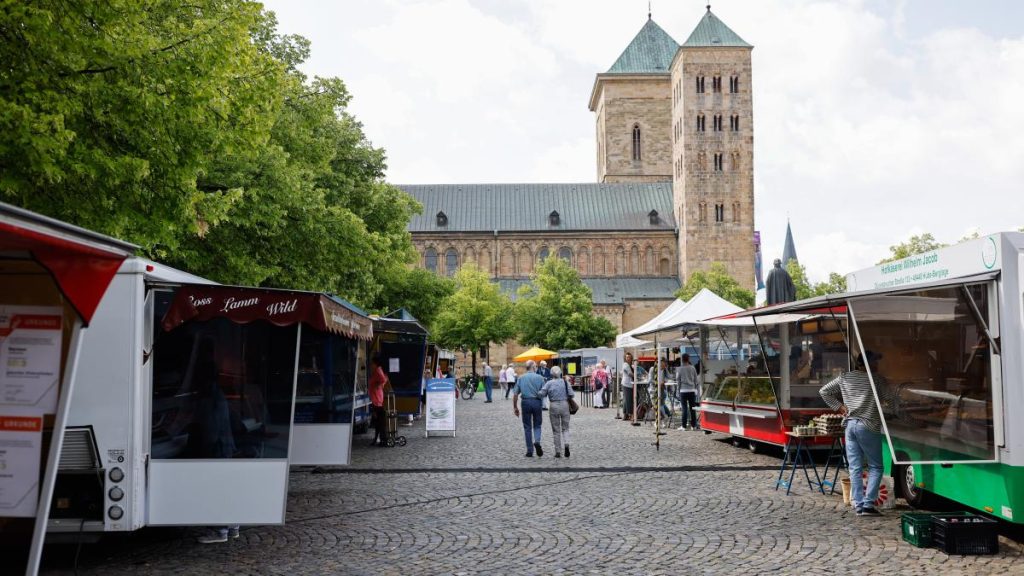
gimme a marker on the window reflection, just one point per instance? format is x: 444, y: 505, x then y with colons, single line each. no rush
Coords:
x: 326, y: 382
x: 221, y: 390
x: 935, y: 359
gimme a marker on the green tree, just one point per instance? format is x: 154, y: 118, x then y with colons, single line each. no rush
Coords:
x: 555, y: 310
x: 799, y: 275
x: 716, y: 279
x: 421, y: 292
x: 836, y: 284
x: 475, y: 315
x: 915, y: 245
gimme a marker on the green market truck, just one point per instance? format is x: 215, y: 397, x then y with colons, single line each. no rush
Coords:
x: 947, y: 328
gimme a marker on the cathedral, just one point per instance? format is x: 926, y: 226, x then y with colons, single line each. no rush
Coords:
x: 674, y: 190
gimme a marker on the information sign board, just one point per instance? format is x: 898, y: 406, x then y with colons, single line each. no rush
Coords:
x: 440, y: 405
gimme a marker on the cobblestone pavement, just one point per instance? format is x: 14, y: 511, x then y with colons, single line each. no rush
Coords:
x: 473, y: 504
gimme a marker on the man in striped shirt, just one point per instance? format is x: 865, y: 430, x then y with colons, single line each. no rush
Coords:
x: 850, y: 394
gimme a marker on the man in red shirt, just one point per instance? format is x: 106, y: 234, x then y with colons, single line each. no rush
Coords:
x: 377, y: 381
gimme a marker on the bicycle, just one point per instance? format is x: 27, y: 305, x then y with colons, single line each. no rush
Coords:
x: 468, y: 386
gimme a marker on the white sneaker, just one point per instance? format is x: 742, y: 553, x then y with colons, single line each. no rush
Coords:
x: 681, y: 428
x: 214, y: 537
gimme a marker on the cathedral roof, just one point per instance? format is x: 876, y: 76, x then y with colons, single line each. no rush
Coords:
x: 612, y: 290
x: 713, y: 32
x: 530, y: 207
x: 651, y: 51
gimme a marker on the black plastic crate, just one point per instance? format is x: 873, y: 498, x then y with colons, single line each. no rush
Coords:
x: 965, y: 533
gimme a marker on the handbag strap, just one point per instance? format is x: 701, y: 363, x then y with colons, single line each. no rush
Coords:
x: 566, y: 384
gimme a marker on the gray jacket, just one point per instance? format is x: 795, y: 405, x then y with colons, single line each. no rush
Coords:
x: 556, y: 390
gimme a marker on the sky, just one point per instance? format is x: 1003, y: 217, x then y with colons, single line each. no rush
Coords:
x: 874, y: 120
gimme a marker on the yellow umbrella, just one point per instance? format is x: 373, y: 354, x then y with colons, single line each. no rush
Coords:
x: 535, y: 353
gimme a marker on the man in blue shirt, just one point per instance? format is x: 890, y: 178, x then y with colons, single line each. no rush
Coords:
x: 527, y: 386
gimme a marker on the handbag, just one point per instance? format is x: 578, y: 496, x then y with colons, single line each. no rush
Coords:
x: 573, y: 406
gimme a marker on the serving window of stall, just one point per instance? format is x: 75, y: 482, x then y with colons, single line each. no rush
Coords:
x: 933, y: 370
x: 222, y: 390
x: 737, y: 371
x: 327, y: 377
x: 814, y: 352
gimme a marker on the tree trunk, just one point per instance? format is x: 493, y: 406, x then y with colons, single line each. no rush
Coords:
x: 474, y: 363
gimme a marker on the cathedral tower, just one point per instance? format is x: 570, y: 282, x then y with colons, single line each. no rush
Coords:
x: 633, y: 102
x: 713, y: 151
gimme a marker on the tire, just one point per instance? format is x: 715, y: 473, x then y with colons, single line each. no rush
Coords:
x: 401, y: 441
x: 467, y: 393
x: 907, y: 483
x: 754, y: 447
x: 390, y: 443
x: 737, y: 442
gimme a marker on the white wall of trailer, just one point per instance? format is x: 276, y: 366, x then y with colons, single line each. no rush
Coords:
x: 1011, y: 300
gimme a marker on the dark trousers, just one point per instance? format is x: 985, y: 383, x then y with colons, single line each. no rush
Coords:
x: 627, y: 402
x: 380, y: 429
x: 508, y: 388
x: 533, y: 418
x: 689, y: 401
x: 488, y: 386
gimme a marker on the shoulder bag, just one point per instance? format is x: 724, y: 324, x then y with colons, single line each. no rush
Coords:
x: 573, y: 406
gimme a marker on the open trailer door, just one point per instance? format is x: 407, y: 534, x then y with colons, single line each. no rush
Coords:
x: 224, y: 381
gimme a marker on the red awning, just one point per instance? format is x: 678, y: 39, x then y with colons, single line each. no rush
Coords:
x: 82, y: 263
x: 279, y: 307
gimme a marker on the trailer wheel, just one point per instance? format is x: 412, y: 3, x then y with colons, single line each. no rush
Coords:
x: 737, y: 442
x: 754, y: 447
x: 911, y: 492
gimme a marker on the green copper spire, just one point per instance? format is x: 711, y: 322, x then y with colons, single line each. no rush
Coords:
x: 651, y: 51
x: 713, y: 32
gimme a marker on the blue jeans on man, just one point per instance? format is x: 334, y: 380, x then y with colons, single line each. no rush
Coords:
x: 533, y: 417
x: 863, y: 447
x: 488, y: 386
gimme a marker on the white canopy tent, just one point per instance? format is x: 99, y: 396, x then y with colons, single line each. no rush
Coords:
x: 705, y: 304
x: 627, y: 340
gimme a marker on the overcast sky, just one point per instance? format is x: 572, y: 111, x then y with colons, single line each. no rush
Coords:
x: 873, y: 120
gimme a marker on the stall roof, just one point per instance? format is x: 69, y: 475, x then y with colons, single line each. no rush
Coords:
x: 82, y: 262
x: 629, y: 340
x: 399, y: 321
x: 835, y: 302
x: 705, y: 304
x: 244, y: 304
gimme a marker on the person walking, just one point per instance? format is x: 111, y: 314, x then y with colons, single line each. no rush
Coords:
x: 503, y: 380
x: 628, y: 395
x: 510, y: 379
x: 528, y: 386
x: 686, y: 378
x: 488, y: 382
x: 558, y: 392
x: 600, y: 378
x: 850, y: 394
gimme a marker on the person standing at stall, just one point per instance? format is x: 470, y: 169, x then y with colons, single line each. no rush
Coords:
x: 850, y: 394
x: 686, y: 377
x: 627, y: 388
x: 528, y: 386
x: 510, y: 379
x: 558, y: 392
x: 503, y: 380
x: 376, y: 389
x: 488, y: 382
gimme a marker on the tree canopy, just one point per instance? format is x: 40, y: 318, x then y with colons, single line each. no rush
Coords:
x: 716, y: 279
x: 475, y: 314
x: 836, y: 284
x: 918, y: 244
x: 188, y: 129
x: 555, y: 310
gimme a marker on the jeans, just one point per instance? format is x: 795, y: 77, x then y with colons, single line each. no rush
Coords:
x: 688, y: 400
x: 863, y: 444
x: 488, y: 386
x: 533, y: 417
x: 627, y: 402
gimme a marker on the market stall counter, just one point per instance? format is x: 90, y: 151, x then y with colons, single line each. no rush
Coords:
x: 402, y: 341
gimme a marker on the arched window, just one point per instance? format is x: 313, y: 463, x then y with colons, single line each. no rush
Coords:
x: 636, y: 142
x: 620, y: 261
x: 451, y: 262
x: 525, y: 261
x: 508, y: 262
x: 634, y: 261
x: 700, y: 123
x: 430, y: 259
x: 649, y: 261
x: 469, y: 255
x: 565, y: 253
x: 543, y: 254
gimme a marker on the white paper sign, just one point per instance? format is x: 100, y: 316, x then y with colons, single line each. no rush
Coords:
x: 30, y: 344
x: 440, y: 405
x: 21, y: 443
x: 393, y: 365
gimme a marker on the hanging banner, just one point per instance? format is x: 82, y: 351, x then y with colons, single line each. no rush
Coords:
x: 21, y: 443
x: 440, y: 405
x: 30, y: 344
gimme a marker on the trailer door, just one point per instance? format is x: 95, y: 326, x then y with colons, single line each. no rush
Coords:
x: 222, y: 409
x: 936, y: 375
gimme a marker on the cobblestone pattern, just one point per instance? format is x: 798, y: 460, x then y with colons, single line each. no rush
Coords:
x: 706, y: 508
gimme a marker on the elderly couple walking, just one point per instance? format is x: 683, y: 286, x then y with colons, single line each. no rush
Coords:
x: 533, y: 389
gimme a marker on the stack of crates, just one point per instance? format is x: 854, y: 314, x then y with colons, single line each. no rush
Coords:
x: 960, y: 533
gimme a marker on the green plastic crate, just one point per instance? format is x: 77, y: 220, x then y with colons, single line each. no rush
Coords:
x: 917, y: 528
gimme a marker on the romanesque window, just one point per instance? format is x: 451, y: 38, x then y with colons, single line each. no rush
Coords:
x: 634, y: 261
x: 718, y: 122
x: 716, y: 84
x: 736, y: 212
x: 700, y: 84
x: 451, y: 262
x: 430, y: 259
x: 636, y: 142
x: 734, y: 84
x: 649, y: 261
x: 620, y: 261
x: 508, y: 261
x: 702, y: 212
x: 719, y: 212
x: 700, y: 123
x: 565, y: 253
x: 469, y: 255
x: 525, y: 261
x: 734, y: 122
x: 718, y: 162
x: 543, y: 254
